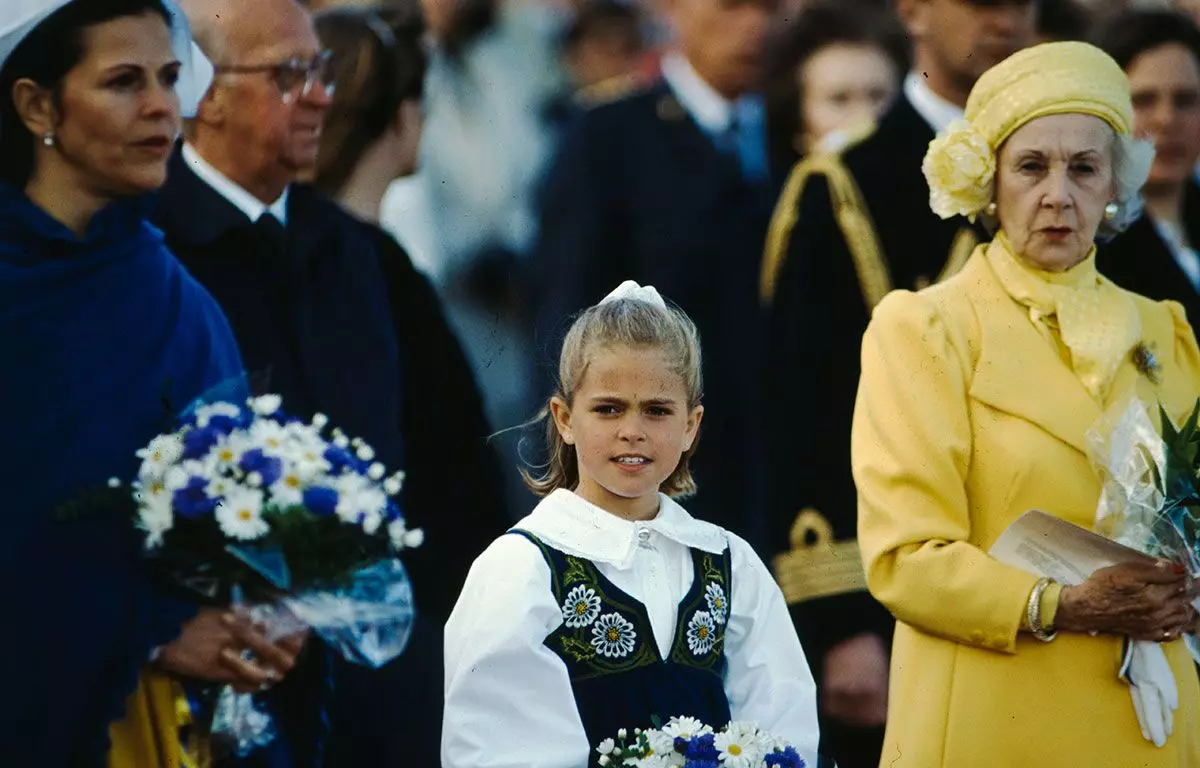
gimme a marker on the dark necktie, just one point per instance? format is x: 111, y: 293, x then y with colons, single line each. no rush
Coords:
x: 273, y: 233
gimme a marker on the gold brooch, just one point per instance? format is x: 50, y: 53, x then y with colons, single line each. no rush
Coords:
x: 1146, y: 363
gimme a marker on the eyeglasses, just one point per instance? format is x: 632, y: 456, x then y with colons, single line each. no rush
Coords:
x: 295, y: 77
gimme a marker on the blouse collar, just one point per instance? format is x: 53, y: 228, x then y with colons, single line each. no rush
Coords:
x: 577, y: 527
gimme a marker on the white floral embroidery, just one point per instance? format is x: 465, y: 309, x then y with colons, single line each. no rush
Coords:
x: 701, y: 633
x: 581, y: 608
x: 613, y: 636
x: 718, y: 606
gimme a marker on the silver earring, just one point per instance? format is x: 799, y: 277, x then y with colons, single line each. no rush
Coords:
x: 1111, y: 210
x: 990, y: 211
x: 48, y: 138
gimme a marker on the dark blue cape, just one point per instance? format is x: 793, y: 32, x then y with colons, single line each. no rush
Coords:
x: 100, y: 338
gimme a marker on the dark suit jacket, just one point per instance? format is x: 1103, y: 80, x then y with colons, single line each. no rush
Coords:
x: 639, y: 192
x: 342, y: 324
x: 1139, y: 259
x: 817, y: 319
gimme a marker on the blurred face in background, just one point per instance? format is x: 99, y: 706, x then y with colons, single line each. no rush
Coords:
x: 723, y: 40
x: 605, y: 52
x: 267, y: 128
x: 1165, y: 85
x: 844, y: 85
x: 965, y: 38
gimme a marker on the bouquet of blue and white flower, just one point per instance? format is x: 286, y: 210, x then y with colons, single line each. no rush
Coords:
x: 685, y: 742
x: 242, y: 503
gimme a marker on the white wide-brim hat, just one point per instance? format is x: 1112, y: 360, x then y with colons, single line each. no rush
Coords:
x: 20, y: 17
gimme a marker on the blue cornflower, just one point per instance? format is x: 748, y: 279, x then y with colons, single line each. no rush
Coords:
x: 321, y: 501
x: 702, y: 748
x: 393, y: 512
x: 704, y: 763
x: 198, y: 442
x: 192, y: 501
x: 268, y: 467
x: 788, y: 758
x: 340, y: 460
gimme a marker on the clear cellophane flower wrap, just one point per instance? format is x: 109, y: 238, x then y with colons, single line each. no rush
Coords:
x: 1132, y: 459
x: 368, y: 622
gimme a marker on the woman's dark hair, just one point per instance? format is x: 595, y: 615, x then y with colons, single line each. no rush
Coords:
x: 45, y: 56
x: 377, y: 68
x: 1129, y: 34
x: 819, y: 25
x: 1062, y: 20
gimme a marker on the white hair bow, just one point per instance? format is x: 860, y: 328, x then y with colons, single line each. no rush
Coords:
x: 631, y: 290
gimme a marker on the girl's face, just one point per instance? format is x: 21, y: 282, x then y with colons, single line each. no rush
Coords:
x: 630, y: 423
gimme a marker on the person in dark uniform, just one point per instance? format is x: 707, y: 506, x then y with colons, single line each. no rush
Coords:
x: 848, y: 229
x: 671, y: 186
x: 1158, y: 255
x: 340, y: 327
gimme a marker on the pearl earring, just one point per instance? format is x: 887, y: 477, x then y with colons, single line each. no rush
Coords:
x: 1111, y: 210
x: 990, y: 211
x: 48, y: 138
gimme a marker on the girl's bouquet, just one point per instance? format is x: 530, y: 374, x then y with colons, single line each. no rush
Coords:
x: 241, y: 502
x: 685, y: 742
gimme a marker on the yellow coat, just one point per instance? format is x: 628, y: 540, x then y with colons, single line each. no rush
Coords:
x: 966, y: 418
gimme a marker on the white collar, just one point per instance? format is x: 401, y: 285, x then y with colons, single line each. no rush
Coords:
x: 710, y: 109
x: 936, y: 111
x: 232, y: 191
x: 577, y: 527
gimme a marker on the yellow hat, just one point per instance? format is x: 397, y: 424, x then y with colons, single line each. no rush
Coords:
x: 1047, y: 79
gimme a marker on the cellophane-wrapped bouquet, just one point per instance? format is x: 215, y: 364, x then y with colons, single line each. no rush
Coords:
x: 685, y: 742
x: 1151, y: 502
x: 243, y: 503
x: 1151, y: 495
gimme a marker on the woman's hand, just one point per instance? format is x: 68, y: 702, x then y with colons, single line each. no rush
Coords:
x: 1146, y: 601
x: 223, y: 647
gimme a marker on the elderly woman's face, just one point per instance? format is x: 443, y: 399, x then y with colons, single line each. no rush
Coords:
x: 1054, y: 177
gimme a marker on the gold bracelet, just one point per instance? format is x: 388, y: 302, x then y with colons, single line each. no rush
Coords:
x: 1033, y: 611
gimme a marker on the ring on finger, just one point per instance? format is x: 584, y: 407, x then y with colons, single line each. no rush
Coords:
x: 247, y: 655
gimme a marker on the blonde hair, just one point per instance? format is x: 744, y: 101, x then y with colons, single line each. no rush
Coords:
x: 620, y: 322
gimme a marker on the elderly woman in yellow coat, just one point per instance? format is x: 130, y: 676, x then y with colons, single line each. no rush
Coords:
x: 975, y: 399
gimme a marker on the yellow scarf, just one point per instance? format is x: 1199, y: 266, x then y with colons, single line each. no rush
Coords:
x: 1096, y: 321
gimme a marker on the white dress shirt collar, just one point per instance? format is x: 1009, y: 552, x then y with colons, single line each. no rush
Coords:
x: 712, y: 111
x: 571, y: 524
x: 935, y: 110
x: 232, y: 191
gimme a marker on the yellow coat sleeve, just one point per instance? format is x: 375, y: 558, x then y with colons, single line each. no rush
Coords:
x: 911, y: 452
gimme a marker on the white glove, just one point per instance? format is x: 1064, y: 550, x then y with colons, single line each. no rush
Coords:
x: 1153, y: 689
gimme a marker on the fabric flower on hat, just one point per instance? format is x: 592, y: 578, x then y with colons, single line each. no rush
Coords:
x: 959, y: 168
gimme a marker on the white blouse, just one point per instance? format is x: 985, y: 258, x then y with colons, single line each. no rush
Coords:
x: 509, y: 702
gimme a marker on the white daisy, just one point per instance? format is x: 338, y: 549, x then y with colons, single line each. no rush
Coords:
x: 240, y: 515
x: 662, y: 743
x: 358, y: 499
x: 228, y: 451
x: 606, y: 747
x: 157, y: 457
x: 269, y: 436
x: 266, y: 405
x: 288, y: 490
x: 739, y: 746
x: 718, y: 606
x: 581, y: 607
x: 685, y: 728
x: 155, y: 518
x: 613, y: 636
x: 701, y: 633
x: 414, y: 538
x: 205, y: 413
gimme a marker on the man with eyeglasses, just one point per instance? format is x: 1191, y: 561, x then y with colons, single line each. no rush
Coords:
x: 301, y: 283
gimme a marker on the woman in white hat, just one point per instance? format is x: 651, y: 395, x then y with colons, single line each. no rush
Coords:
x: 99, y: 328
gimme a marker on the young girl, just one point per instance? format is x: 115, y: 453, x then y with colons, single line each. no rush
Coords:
x: 609, y: 604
